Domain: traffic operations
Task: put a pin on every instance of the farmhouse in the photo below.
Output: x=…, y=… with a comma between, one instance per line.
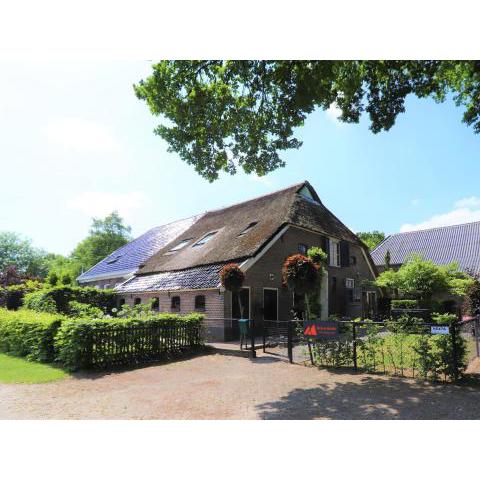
x=442, y=245
x=182, y=274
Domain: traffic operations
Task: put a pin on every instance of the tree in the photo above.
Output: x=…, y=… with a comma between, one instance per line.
x=19, y=252
x=422, y=280
x=106, y=236
x=371, y=239
x=221, y=115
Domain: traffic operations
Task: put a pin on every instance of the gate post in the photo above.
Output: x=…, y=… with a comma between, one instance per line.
x=252, y=334
x=354, y=345
x=290, y=340
x=453, y=333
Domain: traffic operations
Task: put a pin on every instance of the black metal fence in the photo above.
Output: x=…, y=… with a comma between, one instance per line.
x=131, y=344
x=403, y=348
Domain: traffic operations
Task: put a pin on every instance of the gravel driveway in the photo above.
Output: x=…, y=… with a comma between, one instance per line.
x=228, y=387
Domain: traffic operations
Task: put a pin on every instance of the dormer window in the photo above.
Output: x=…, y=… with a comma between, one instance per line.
x=205, y=239
x=113, y=259
x=247, y=229
x=180, y=245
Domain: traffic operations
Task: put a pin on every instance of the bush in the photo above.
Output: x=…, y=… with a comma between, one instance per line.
x=404, y=304
x=62, y=295
x=76, y=350
x=12, y=296
x=29, y=334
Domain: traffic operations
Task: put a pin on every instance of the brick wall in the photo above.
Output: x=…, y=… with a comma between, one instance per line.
x=266, y=272
x=214, y=302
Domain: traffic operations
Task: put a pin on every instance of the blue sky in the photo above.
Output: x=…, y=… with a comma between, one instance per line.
x=75, y=143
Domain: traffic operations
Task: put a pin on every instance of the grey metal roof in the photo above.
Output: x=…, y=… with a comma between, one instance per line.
x=128, y=258
x=443, y=245
x=206, y=276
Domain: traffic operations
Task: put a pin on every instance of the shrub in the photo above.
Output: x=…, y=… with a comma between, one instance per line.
x=29, y=334
x=404, y=304
x=62, y=295
x=76, y=350
x=12, y=296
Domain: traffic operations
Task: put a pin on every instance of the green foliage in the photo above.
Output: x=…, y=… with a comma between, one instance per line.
x=219, y=115
x=317, y=256
x=29, y=334
x=62, y=269
x=17, y=251
x=404, y=304
x=61, y=296
x=471, y=304
x=75, y=346
x=83, y=310
x=12, y=296
x=422, y=279
x=371, y=239
x=106, y=236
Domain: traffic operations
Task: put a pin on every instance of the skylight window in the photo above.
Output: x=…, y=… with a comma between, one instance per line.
x=205, y=239
x=114, y=259
x=247, y=229
x=180, y=245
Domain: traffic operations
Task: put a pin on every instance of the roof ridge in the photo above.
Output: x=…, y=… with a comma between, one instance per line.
x=434, y=228
x=257, y=197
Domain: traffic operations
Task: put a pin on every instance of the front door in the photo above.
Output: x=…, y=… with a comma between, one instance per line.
x=270, y=304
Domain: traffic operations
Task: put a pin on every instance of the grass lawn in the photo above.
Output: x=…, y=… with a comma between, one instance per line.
x=19, y=370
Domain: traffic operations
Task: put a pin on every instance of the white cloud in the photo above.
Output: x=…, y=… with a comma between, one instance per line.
x=100, y=204
x=468, y=202
x=80, y=135
x=333, y=112
x=465, y=210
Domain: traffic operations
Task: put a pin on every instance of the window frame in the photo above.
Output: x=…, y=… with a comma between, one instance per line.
x=205, y=239
x=180, y=245
x=302, y=245
x=334, y=254
x=200, y=309
x=248, y=228
x=175, y=309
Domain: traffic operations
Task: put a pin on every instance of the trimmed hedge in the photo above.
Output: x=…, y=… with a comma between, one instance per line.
x=84, y=343
x=60, y=298
x=29, y=334
x=407, y=304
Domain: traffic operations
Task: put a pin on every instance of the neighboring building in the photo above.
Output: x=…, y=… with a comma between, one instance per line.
x=259, y=234
x=442, y=245
x=125, y=261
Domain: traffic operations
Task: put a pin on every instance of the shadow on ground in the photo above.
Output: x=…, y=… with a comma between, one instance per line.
x=382, y=398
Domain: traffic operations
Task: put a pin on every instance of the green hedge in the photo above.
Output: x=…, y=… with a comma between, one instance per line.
x=84, y=343
x=60, y=297
x=404, y=304
x=29, y=334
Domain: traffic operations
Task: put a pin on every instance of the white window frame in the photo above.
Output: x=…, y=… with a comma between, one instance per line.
x=200, y=242
x=334, y=252
x=350, y=283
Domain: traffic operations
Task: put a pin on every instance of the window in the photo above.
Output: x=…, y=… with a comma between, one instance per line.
x=137, y=301
x=334, y=253
x=155, y=304
x=350, y=283
x=180, y=245
x=175, y=304
x=205, y=239
x=113, y=259
x=247, y=229
x=302, y=248
x=200, y=303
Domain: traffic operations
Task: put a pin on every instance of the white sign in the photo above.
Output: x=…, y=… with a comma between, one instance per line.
x=440, y=330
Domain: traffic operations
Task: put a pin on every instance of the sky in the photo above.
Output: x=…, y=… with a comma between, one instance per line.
x=76, y=143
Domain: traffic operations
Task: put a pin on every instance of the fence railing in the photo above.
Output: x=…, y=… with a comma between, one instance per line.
x=389, y=347
x=133, y=344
